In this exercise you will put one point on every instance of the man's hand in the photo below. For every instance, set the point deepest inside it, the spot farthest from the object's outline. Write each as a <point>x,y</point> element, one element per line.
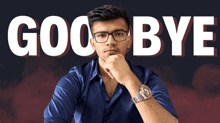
<point>117,68</point>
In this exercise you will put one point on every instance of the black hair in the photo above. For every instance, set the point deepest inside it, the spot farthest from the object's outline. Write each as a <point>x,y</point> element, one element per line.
<point>107,12</point>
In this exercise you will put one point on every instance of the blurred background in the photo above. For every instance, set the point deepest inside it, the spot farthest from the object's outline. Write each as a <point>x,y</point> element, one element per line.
<point>27,83</point>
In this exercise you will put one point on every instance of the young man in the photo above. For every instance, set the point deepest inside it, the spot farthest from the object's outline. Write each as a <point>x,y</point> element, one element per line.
<point>110,89</point>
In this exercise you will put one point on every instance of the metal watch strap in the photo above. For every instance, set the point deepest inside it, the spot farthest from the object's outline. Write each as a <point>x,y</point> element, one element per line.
<point>140,96</point>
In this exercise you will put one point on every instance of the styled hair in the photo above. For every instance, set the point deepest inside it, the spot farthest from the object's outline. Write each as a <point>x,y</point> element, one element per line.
<point>107,12</point>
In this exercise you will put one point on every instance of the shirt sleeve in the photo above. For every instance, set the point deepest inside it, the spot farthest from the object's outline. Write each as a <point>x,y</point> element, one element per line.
<point>64,100</point>
<point>160,93</point>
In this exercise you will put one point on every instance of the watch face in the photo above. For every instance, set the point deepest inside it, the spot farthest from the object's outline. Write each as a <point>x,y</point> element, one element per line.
<point>146,90</point>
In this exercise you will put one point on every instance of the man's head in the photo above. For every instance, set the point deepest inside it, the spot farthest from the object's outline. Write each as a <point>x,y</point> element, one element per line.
<point>105,13</point>
<point>109,26</point>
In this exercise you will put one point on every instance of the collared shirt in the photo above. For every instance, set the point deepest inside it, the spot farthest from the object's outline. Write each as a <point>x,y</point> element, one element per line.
<point>81,94</point>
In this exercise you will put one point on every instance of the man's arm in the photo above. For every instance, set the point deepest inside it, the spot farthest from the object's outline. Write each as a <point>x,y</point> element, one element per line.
<point>150,110</point>
<point>62,105</point>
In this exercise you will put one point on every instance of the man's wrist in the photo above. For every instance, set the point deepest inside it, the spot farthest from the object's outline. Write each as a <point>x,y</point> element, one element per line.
<point>133,85</point>
<point>131,80</point>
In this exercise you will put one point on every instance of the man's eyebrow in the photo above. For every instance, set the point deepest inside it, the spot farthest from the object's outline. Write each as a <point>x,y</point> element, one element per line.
<point>118,30</point>
<point>101,32</point>
<point>110,32</point>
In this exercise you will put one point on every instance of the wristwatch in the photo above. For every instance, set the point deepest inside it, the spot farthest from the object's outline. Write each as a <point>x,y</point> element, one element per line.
<point>145,93</point>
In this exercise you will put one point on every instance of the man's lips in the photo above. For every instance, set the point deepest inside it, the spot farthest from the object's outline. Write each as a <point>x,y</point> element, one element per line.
<point>111,51</point>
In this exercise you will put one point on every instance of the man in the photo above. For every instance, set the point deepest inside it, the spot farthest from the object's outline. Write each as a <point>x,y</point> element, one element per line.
<point>110,89</point>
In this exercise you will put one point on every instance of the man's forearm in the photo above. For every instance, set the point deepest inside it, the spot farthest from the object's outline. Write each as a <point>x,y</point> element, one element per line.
<point>150,110</point>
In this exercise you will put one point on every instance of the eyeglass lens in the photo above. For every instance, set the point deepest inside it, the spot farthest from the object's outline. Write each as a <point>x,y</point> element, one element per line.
<point>102,37</point>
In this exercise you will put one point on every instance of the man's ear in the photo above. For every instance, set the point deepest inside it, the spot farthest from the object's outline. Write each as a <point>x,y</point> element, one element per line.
<point>92,43</point>
<point>129,39</point>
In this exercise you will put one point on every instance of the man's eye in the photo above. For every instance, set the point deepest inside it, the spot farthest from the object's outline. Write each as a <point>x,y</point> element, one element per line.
<point>118,34</point>
<point>101,35</point>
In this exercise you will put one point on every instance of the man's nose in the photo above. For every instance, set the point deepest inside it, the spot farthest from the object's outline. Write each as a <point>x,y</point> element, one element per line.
<point>111,40</point>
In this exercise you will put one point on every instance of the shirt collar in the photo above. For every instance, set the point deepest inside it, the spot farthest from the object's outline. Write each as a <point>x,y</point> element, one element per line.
<point>95,69</point>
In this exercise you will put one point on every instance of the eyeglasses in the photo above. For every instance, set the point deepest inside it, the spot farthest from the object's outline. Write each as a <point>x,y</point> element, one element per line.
<point>102,37</point>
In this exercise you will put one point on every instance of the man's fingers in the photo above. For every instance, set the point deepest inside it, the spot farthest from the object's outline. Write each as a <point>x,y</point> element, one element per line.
<point>109,73</point>
<point>112,57</point>
<point>110,62</point>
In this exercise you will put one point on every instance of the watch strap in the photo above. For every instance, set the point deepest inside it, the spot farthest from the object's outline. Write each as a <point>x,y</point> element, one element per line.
<point>141,96</point>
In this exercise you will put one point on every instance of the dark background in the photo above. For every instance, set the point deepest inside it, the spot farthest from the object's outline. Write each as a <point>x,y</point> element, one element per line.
<point>27,83</point>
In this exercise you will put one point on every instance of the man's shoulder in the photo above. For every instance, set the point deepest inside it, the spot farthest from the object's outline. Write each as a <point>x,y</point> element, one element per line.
<point>82,72</point>
<point>140,70</point>
<point>144,74</point>
<point>83,68</point>
<point>79,74</point>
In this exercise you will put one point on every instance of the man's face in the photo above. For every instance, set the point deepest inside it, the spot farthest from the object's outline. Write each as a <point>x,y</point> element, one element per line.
<point>111,47</point>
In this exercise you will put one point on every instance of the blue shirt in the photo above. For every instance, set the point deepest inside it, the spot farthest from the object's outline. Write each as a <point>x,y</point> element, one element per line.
<point>81,94</point>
